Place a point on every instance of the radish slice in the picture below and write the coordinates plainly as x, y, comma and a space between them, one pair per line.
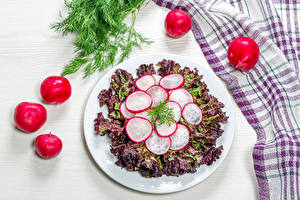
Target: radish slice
158, 94
143, 115
176, 109
138, 101
138, 129
181, 96
157, 78
192, 113
144, 82
180, 138
164, 130
158, 145
125, 112
172, 81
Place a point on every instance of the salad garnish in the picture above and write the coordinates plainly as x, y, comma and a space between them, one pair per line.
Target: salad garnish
162, 113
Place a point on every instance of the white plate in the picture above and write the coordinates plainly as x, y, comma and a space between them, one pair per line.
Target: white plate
99, 146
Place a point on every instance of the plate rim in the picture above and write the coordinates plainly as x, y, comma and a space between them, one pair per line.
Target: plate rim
166, 56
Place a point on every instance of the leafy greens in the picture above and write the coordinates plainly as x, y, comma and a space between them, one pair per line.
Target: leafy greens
102, 37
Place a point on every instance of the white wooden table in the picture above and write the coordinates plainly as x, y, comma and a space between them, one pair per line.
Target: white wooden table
29, 52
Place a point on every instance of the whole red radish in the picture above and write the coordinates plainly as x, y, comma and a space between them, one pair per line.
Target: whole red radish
47, 145
55, 90
29, 117
177, 23
243, 53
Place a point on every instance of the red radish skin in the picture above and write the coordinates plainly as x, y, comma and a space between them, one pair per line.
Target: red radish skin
243, 53
55, 90
181, 96
138, 101
193, 114
176, 136
29, 117
144, 82
47, 145
176, 109
158, 145
138, 127
160, 129
177, 23
124, 112
158, 94
172, 81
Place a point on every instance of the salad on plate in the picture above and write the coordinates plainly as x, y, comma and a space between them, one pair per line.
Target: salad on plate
162, 122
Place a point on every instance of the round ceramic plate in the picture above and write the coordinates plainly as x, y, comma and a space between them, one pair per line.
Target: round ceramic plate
100, 146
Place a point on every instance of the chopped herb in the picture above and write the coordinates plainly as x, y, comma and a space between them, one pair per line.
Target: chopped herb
163, 113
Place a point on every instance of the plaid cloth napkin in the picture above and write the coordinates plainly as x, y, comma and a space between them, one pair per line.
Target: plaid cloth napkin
269, 94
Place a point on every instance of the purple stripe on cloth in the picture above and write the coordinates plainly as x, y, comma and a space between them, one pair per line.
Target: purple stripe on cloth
291, 164
263, 185
276, 22
282, 144
297, 180
297, 30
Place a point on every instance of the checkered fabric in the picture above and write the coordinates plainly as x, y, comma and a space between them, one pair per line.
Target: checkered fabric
269, 94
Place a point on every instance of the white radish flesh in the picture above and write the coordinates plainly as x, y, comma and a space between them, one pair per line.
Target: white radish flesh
192, 113
165, 129
181, 96
157, 78
125, 112
158, 94
138, 101
144, 82
158, 145
138, 129
176, 110
180, 138
143, 114
172, 81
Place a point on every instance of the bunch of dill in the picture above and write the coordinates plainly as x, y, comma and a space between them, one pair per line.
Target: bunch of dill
102, 38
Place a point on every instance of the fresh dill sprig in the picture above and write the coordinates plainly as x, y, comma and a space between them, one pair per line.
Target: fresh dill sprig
102, 38
162, 113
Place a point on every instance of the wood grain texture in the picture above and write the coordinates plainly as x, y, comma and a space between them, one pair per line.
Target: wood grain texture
29, 52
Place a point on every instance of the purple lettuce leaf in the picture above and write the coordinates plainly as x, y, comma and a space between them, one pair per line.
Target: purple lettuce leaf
122, 83
145, 69
212, 155
167, 67
104, 126
113, 103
